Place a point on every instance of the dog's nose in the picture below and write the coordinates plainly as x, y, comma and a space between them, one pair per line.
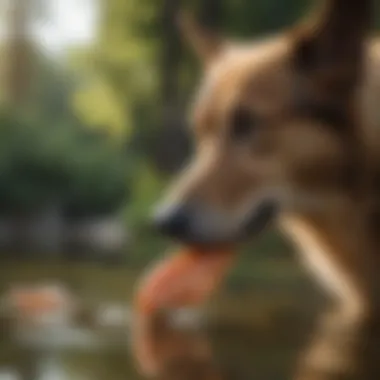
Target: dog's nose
173, 221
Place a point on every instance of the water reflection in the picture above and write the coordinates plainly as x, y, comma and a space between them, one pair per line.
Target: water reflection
255, 334
182, 351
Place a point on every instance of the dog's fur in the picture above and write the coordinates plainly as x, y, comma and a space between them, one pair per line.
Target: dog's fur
297, 117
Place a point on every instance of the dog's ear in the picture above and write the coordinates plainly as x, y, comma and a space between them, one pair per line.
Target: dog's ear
330, 48
206, 43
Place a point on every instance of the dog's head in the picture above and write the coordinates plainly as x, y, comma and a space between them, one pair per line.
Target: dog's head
274, 125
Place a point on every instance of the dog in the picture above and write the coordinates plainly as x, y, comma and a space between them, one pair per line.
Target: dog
287, 131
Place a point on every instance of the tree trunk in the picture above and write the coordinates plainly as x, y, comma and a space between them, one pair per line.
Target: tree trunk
169, 144
19, 64
172, 144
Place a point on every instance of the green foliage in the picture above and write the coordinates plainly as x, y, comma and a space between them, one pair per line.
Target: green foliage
98, 174
253, 18
145, 190
119, 72
40, 164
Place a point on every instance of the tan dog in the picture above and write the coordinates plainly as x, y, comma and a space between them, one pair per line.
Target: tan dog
287, 129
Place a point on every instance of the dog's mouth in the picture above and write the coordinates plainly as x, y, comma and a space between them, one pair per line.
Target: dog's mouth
210, 246
209, 230
260, 218
192, 275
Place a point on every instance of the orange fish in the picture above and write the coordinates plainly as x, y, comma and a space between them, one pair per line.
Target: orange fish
185, 279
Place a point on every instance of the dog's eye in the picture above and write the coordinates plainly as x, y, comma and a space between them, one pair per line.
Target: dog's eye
242, 123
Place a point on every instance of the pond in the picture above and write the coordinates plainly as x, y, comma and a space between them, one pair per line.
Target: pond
252, 331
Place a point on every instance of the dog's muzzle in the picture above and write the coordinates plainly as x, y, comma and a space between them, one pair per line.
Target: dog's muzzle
195, 224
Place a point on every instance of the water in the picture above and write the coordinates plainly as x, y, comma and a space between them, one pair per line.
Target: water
254, 333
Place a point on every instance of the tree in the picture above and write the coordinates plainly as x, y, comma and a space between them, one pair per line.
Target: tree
119, 73
18, 51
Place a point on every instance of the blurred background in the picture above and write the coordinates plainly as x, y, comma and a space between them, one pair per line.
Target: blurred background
93, 104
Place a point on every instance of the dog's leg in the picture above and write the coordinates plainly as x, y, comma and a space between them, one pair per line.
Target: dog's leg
347, 340
344, 348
